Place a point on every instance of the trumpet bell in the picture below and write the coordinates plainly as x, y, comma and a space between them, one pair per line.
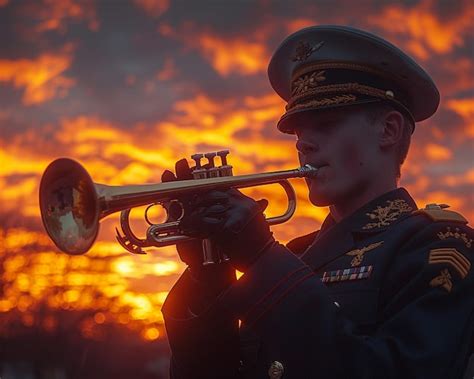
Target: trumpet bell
69, 206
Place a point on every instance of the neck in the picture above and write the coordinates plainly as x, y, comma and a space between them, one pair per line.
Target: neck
359, 198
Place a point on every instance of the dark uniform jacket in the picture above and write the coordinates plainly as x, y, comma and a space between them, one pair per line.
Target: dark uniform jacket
387, 292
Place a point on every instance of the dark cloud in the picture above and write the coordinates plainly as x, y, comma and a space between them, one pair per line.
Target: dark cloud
116, 65
449, 121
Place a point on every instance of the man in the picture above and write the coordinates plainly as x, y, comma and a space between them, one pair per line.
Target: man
383, 290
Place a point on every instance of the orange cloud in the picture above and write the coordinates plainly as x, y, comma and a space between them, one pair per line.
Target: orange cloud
55, 15
441, 197
465, 108
217, 125
426, 32
461, 179
237, 55
154, 8
3, 3
84, 129
42, 78
226, 55
437, 152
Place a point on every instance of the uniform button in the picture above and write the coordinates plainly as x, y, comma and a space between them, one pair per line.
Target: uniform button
337, 304
276, 370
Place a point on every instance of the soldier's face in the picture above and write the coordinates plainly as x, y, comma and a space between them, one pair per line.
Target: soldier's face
343, 144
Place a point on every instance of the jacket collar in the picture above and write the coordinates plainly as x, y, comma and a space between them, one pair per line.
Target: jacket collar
376, 216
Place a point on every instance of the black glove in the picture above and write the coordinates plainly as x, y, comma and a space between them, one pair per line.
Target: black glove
189, 252
214, 277
233, 221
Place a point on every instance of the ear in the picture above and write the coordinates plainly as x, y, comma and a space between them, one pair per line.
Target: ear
391, 129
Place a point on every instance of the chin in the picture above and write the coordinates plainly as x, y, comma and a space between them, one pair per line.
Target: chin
320, 198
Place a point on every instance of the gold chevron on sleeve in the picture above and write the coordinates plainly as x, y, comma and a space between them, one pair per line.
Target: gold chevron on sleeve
452, 257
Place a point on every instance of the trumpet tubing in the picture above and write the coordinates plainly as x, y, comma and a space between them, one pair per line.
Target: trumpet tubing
72, 205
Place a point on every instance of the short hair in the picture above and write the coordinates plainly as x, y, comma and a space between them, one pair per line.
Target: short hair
376, 111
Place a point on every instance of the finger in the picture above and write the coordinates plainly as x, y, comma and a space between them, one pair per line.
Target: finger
190, 223
168, 176
183, 172
234, 192
239, 196
207, 199
263, 204
216, 211
201, 224
211, 226
238, 218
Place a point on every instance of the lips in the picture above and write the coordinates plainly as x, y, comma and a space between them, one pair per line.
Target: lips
319, 165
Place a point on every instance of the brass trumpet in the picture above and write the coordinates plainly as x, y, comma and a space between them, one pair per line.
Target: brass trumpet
72, 204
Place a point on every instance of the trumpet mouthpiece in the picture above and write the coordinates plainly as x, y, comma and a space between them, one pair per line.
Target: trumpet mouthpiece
308, 171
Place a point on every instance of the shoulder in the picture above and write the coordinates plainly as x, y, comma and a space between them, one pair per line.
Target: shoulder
440, 247
435, 259
422, 222
436, 222
435, 227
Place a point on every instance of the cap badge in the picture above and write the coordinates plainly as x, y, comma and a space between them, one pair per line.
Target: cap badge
358, 254
276, 370
384, 216
304, 50
443, 280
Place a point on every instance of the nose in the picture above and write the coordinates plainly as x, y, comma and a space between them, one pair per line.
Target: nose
305, 148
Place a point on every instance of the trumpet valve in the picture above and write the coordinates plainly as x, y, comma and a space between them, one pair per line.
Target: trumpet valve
210, 157
198, 172
225, 169
212, 171
223, 155
197, 159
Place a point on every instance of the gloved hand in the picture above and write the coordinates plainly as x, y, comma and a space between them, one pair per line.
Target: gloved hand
190, 252
233, 221
216, 277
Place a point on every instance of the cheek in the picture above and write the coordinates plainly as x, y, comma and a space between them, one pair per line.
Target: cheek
352, 158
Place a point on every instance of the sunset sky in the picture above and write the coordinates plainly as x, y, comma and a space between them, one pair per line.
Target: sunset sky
128, 87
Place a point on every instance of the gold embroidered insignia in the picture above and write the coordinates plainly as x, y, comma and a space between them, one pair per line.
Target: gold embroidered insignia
452, 257
455, 234
307, 82
304, 50
443, 280
358, 254
384, 216
276, 370
324, 102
